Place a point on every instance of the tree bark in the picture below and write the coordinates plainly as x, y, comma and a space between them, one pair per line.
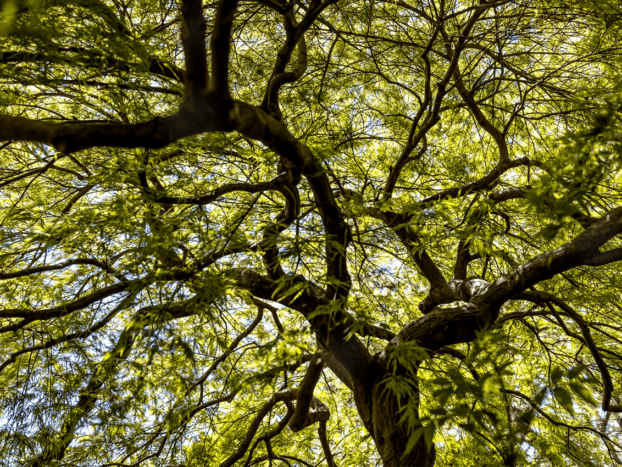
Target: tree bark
391, 437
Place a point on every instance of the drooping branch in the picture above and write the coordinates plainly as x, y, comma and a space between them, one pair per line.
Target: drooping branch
200, 406
538, 409
281, 396
73, 336
88, 58
160, 197
586, 338
228, 351
70, 307
460, 356
75, 198
481, 184
38, 170
90, 394
156, 133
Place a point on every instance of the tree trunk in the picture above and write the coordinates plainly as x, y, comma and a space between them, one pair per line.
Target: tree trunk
380, 411
391, 437
376, 404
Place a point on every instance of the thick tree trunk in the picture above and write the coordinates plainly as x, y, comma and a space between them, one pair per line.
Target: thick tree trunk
377, 406
380, 412
391, 437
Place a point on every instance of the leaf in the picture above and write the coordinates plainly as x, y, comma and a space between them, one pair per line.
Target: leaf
469, 427
186, 350
556, 375
412, 440
441, 381
563, 396
428, 433
574, 372
583, 392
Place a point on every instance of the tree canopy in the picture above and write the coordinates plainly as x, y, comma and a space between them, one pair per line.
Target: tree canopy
310, 232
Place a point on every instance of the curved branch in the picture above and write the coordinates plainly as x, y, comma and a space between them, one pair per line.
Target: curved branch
551, 419
269, 242
281, 396
588, 340
159, 197
302, 418
228, 351
272, 101
481, 184
88, 58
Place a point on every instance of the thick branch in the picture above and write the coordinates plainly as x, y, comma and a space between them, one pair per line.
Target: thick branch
577, 252
156, 133
193, 38
301, 418
221, 45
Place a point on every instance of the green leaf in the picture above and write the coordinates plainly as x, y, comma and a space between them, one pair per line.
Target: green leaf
412, 441
556, 375
575, 371
563, 396
428, 433
583, 392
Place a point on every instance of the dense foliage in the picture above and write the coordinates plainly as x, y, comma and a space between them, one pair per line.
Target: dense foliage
305, 232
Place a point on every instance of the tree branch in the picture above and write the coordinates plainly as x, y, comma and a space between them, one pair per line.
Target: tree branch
193, 39
301, 418
221, 44
577, 252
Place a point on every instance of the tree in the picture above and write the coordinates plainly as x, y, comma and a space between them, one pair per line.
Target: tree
340, 232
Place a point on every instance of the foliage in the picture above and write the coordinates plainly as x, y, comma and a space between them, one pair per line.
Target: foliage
413, 205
